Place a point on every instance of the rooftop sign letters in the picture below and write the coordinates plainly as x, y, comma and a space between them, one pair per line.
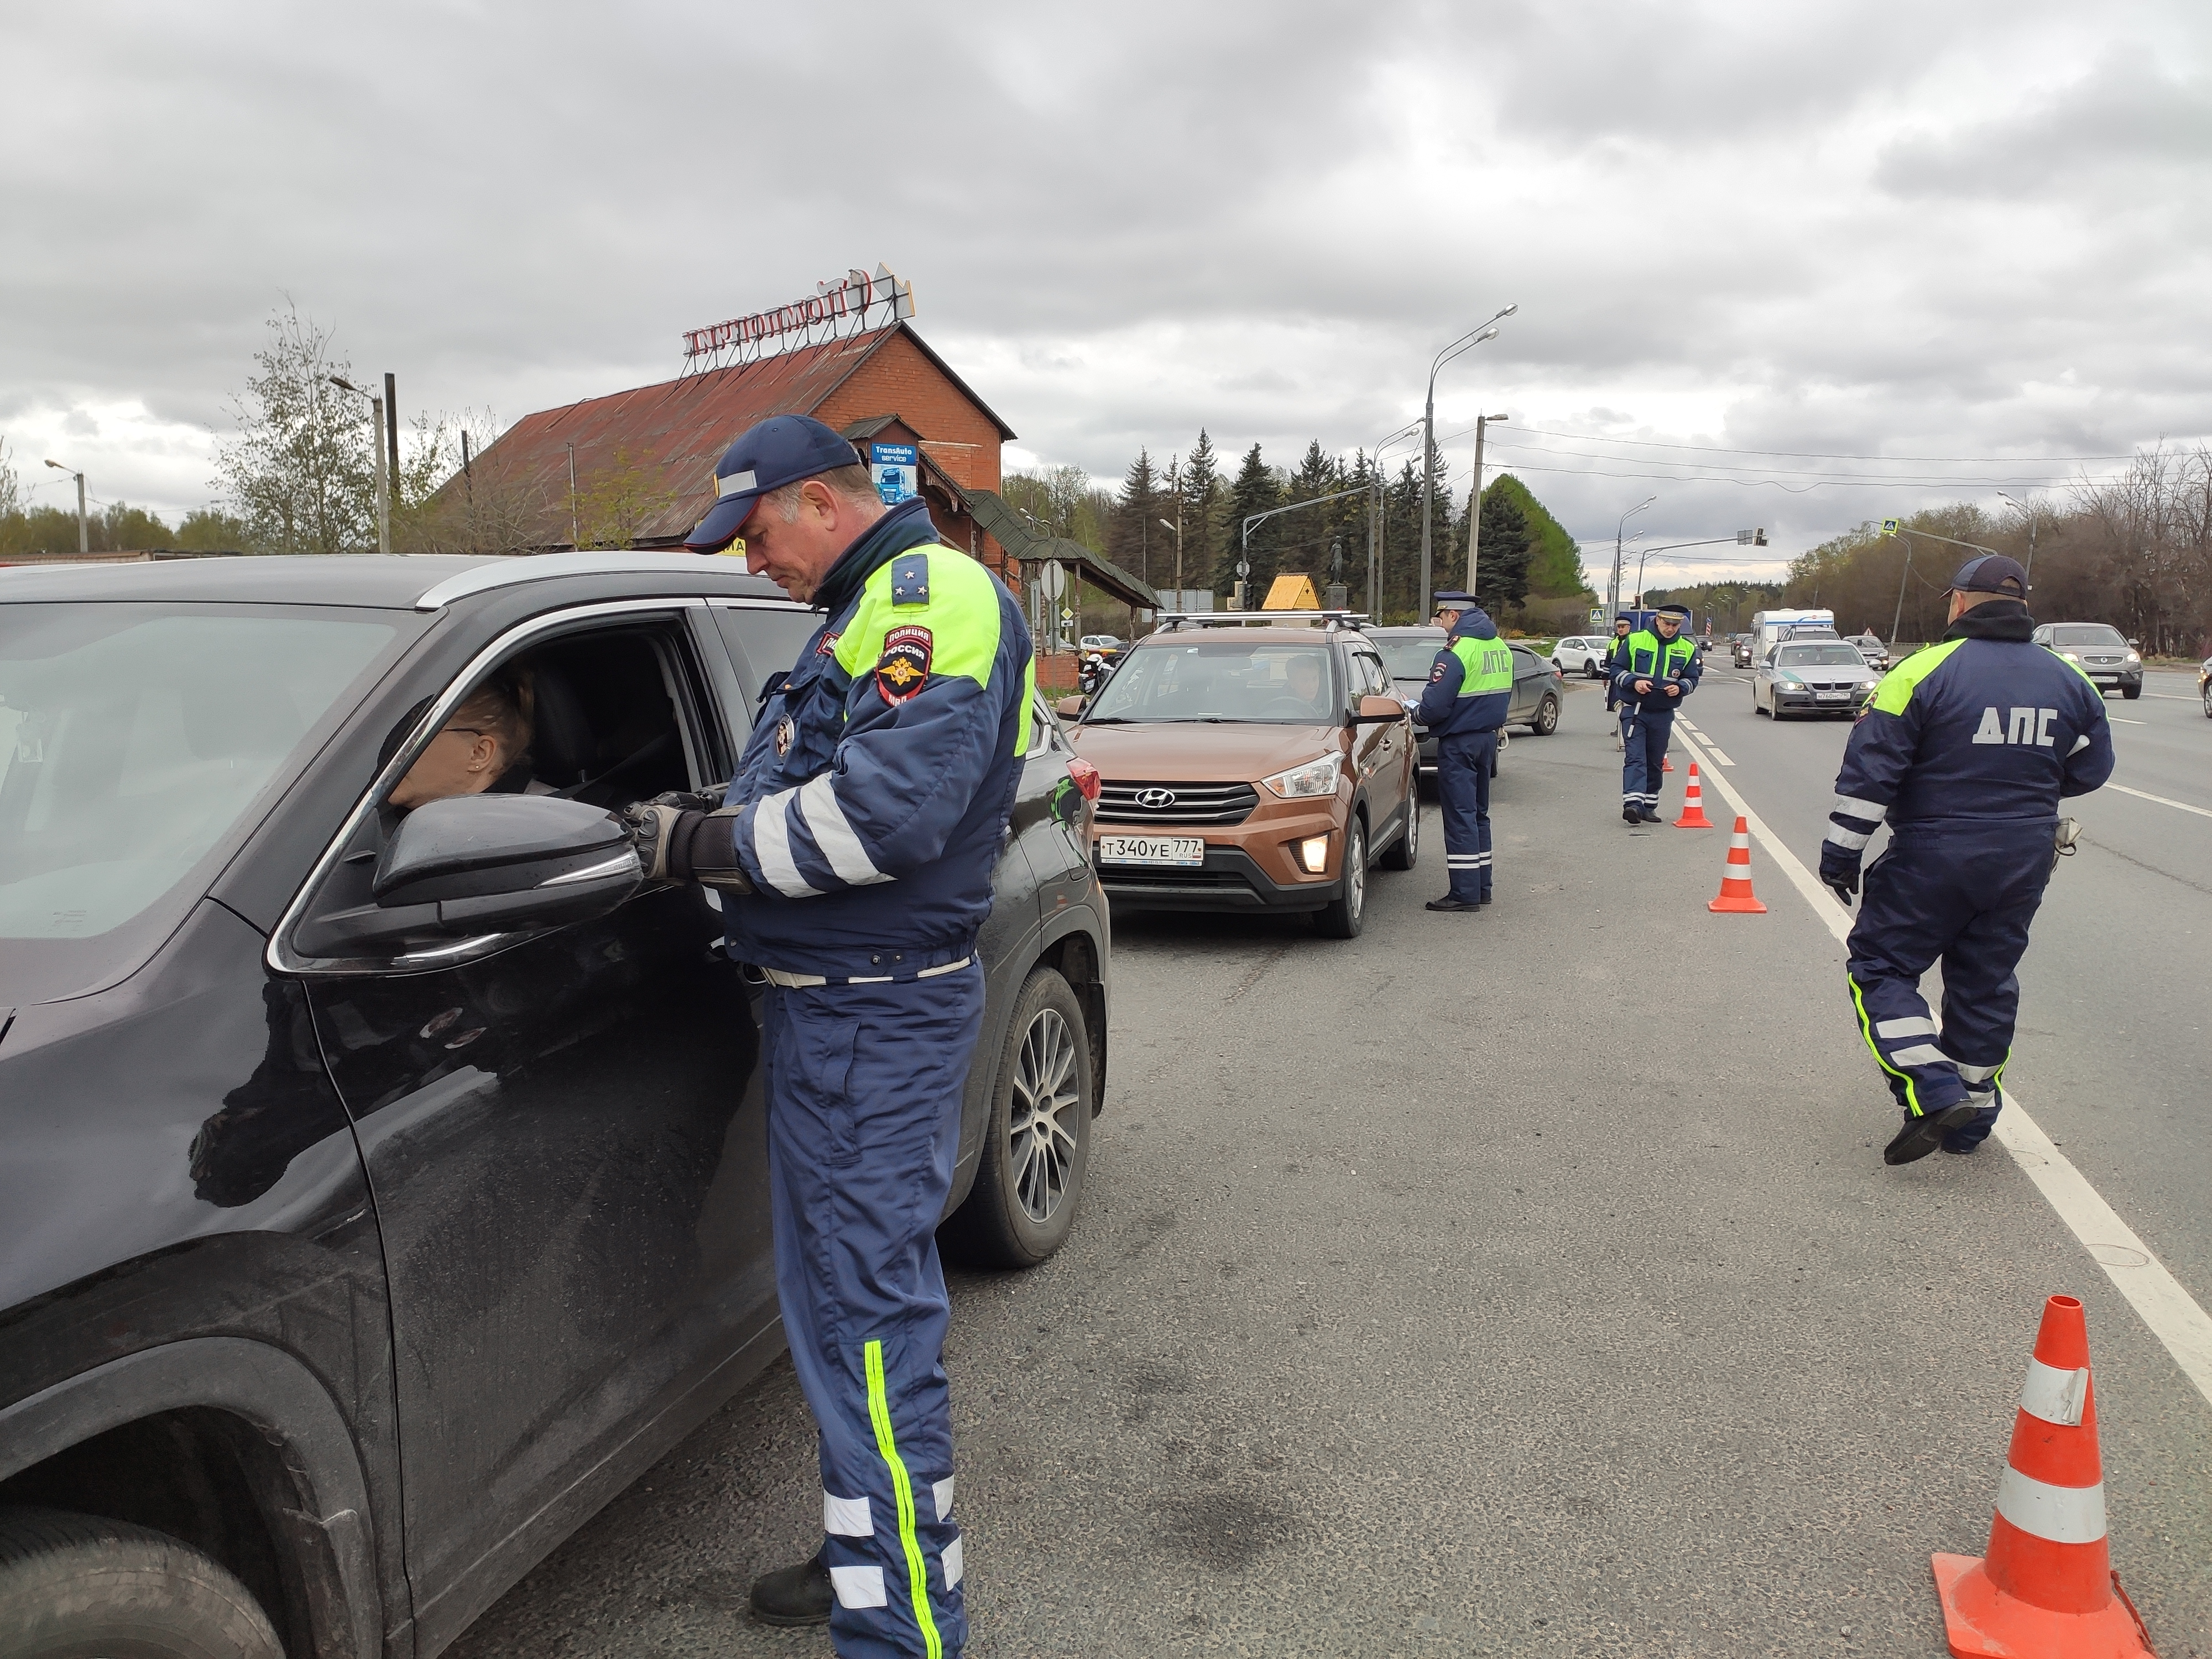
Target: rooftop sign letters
844, 307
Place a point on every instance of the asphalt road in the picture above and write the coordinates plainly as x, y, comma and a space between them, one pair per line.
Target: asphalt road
1527, 1283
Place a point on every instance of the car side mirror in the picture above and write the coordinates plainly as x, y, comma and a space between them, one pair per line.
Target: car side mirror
1374, 708
473, 864
1068, 708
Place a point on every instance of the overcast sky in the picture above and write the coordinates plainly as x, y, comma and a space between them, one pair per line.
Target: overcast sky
1890, 229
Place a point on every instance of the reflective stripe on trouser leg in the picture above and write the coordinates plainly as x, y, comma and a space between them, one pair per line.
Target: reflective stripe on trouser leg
1463, 786
865, 1085
1643, 759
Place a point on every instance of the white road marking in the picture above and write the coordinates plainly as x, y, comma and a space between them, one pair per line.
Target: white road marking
2155, 1295
2122, 719
2170, 696
2140, 795
1716, 754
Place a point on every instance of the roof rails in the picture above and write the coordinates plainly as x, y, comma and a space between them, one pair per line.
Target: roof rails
1169, 621
503, 572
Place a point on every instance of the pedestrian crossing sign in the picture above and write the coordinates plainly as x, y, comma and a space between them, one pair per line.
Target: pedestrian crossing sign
1889, 527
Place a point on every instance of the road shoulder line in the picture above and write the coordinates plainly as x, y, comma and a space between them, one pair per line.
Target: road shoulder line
2158, 1298
2141, 794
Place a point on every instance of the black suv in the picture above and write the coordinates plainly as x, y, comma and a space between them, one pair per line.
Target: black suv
381, 1194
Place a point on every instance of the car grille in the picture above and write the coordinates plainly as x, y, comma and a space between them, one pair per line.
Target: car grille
1126, 875
1192, 802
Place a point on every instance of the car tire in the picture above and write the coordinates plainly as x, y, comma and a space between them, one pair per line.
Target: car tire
1401, 853
1547, 717
1036, 1146
2131, 692
1755, 708
1591, 670
1346, 913
2205, 691
72, 1585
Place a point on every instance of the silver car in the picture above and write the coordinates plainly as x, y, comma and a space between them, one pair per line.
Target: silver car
1813, 676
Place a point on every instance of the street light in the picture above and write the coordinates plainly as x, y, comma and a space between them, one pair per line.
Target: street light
83, 535
1474, 501
1375, 519
1613, 591
1177, 528
2029, 515
376, 443
1485, 331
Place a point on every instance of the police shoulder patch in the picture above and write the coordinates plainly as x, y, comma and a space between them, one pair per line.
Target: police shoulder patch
910, 578
1438, 673
828, 647
903, 669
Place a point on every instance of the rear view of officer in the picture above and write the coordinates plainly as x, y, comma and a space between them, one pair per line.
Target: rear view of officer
1966, 749
1469, 690
855, 851
1654, 670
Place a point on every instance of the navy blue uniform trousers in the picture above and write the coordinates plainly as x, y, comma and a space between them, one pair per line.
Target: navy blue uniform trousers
865, 1085
1463, 768
1643, 760
1963, 895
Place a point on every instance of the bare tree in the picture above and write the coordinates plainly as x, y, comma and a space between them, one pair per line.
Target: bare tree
11, 486
301, 471
617, 502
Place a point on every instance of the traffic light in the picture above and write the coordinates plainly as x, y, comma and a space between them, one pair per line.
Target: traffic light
1750, 538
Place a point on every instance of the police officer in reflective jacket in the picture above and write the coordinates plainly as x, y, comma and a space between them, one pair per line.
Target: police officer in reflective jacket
1966, 749
855, 850
1470, 688
1654, 669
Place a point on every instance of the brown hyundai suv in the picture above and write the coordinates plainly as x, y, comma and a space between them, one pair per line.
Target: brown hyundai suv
1250, 761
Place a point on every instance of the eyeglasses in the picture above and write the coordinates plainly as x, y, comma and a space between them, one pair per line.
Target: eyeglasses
473, 731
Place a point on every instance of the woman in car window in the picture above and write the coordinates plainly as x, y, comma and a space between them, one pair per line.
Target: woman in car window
483, 748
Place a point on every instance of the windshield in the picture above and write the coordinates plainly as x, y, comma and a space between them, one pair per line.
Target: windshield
1221, 679
133, 736
2088, 633
1821, 656
1410, 660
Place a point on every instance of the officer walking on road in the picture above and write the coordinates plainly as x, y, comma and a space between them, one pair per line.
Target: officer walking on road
1621, 626
1966, 749
1469, 690
855, 849
1653, 672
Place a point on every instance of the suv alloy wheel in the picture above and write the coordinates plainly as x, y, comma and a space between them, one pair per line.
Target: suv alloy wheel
1346, 913
1036, 1145
1401, 853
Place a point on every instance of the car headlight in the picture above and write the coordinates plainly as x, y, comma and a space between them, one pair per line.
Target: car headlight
1315, 777
2069, 656
2135, 658
1790, 681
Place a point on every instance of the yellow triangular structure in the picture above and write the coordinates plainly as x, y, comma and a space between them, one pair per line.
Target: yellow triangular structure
1291, 593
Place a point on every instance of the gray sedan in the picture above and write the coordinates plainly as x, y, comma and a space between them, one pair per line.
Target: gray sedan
1825, 676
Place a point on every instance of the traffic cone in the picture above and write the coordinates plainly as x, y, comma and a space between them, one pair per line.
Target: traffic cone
1735, 897
1666, 762
1693, 805
2046, 1588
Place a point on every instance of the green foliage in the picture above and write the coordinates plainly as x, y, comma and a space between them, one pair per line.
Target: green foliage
211, 530
301, 469
615, 502
1134, 539
1064, 500
1555, 561
1503, 554
1256, 489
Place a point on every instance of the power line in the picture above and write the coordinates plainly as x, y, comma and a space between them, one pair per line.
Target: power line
1801, 454
1818, 473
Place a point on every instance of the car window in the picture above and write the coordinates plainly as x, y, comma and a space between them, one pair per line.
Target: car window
133, 737
1821, 656
1221, 679
2086, 634
1525, 663
765, 640
1374, 682
1411, 660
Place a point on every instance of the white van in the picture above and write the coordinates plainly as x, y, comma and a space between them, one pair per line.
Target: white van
1770, 627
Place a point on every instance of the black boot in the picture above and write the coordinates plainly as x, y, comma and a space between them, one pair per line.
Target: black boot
1448, 902
1648, 815
1921, 1135
1628, 813
794, 1596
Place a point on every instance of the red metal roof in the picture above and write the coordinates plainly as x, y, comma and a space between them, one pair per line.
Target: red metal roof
679, 429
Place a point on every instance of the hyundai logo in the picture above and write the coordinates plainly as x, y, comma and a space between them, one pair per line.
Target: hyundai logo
1156, 799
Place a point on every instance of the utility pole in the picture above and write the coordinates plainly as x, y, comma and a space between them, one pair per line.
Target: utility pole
1177, 528
376, 443
83, 527
1474, 501
573, 539
391, 437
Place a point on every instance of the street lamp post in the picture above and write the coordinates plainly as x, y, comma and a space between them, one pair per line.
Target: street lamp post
376, 441
1486, 331
83, 530
1375, 520
2030, 516
1176, 527
1613, 588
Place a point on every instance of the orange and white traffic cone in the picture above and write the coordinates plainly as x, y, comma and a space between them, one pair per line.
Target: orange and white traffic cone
1693, 805
1736, 897
1666, 762
2046, 1588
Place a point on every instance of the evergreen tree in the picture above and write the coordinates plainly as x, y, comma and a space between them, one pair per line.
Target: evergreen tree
1204, 503
1501, 569
1255, 489
1134, 528
1555, 563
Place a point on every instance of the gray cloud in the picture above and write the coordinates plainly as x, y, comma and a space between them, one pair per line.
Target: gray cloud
1975, 230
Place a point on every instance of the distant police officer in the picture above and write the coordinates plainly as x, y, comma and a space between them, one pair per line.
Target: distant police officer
1464, 703
1654, 670
855, 849
1966, 749
1621, 627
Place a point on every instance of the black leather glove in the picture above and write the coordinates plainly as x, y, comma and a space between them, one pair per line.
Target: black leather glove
682, 843
1839, 873
692, 800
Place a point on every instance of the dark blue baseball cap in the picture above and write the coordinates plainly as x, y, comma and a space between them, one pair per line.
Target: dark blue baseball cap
1991, 573
781, 449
